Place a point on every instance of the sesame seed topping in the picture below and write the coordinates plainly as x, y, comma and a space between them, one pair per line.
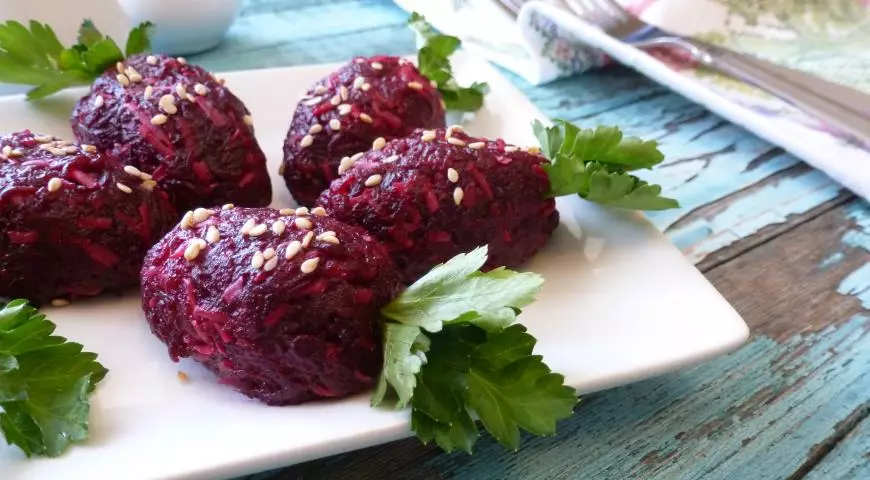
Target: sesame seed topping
391, 159
182, 377
145, 176
148, 185
257, 260
228, 206
302, 211
271, 264
335, 124
89, 148
57, 151
124, 188
123, 80
306, 142
342, 90
167, 104
320, 89
312, 102
59, 302
357, 156
443, 104
433, 83
278, 227
458, 193
366, 86
212, 235
455, 141
533, 150
359, 60
365, 117
268, 253
379, 143
200, 89
192, 251
308, 238
131, 170
249, 120
248, 225
55, 184
287, 211
159, 119
151, 60
181, 60
310, 265
119, 66
315, 129
452, 175
345, 165
43, 138
149, 90
328, 233
335, 100
186, 221
134, 75
69, 150
511, 149
318, 211
99, 101
258, 230
293, 248
202, 214
415, 85
332, 240
374, 180
191, 98
344, 109
477, 145
428, 136
281, 169
303, 223
377, 65
180, 90
6, 151
358, 81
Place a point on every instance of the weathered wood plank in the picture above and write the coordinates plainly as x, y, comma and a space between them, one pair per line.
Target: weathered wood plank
848, 460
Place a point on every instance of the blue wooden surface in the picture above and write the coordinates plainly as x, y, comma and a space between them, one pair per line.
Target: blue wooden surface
787, 246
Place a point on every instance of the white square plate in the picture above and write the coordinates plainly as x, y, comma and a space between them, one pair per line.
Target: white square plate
620, 304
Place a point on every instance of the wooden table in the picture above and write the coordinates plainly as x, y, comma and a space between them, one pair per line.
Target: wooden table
786, 245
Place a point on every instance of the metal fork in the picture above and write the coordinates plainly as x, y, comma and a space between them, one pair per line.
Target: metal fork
841, 108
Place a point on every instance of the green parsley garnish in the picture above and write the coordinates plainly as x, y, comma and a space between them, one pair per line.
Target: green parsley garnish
36, 57
595, 164
433, 61
452, 352
45, 382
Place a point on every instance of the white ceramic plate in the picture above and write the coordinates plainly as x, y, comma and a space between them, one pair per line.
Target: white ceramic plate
620, 304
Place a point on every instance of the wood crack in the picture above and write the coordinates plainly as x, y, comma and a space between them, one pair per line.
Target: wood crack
819, 451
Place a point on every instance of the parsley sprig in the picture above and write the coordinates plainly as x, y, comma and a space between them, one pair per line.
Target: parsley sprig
433, 61
35, 56
595, 164
453, 352
45, 382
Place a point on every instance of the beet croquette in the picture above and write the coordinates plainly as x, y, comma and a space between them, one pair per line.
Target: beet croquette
436, 194
178, 123
283, 307
73, 223
342, 114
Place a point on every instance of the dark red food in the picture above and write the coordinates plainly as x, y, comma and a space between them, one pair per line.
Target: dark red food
370, 97
204, 154
73, 223
428, 199
264, 325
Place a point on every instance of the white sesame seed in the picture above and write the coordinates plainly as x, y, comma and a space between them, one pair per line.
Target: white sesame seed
301, 211
344, 93
365, 117
335, 124
306, 142
191, 98
379, 143
428, 136
99, 101
212, 235
15, 153
293, 248
148, 185
328, 233
257, 260
70, 150
415, 85
458, 193
320, 89
131, 170
278, 227
477, 145
452, 175
200, 89
268, 253
303, 223
533, 150
310, 265
312, 102
443, 104
366, 86
281, 169
186, 221
135, 78
57, 151
151, 59
455, 141
357, 156
192, 251
390, 159
308, 238
318, 211
43, 138
124, 188
149, 90
315, 129
359, 60
202, 244
159, 119
89, 148
119, 66
258, 230
123, 80
59, 302
202, 214
167, 104
55, 184
247, 226
335, 100
433, 83
374, 180
249, 120
228, 206
181, 60
331, 239
181, 90
133, 73
6, 150
270, 264
344, 109
287, 211
511, 149
144, 176
456, 128
345, 165
358, 81
377, 65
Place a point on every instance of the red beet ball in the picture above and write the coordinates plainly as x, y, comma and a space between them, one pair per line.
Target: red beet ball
73, 223
178, 123
428, 198
221, 289
343, 113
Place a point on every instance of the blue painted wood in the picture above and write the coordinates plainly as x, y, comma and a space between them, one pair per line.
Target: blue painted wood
849, 460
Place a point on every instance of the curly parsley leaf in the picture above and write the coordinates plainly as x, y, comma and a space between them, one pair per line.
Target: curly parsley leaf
452, 352
45, 382
35, 56
433, 61
594, 165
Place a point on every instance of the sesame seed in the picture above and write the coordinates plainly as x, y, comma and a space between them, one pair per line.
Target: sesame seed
55, 184
374, 180
452, 175
320, 89
278, 227
455, 141
306, 142
124, 188
89, 148
344, 109
149, 90
310, 265
181, 90
43, 138
318, 211
268, 253
365, 117
366, 86
257, 260
186, 221
145, 176
428, 136
57, 151
345, 165
228, 206
443, 104
359, 60
477, 145
131, 170
358, 81
335, 100
281, 169
315, 129
308, 238
314, 101
159, 119
511, 149
120, 67
377, 65
415, 85
167, 104
70, 150
357, 156
133, 74
301, 211
247, 226
249, 120
200, 89
335, 124
331, 239
293, 248
182, 377
59, 302
181, 60
433, 83
258, 230
458, 193
270, 264
6, 151
391, 159
99, 101
190, 98
123, 80
328, 233
15, 153
533, 150
212, 235
151, 59
202, 214
379, 143
148, 185
344, 93
287, 211
303, 223
191, 252
456, 128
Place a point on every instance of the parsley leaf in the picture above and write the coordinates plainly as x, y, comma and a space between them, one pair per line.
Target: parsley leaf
45, 382
36, 57
433, 62
594, 165
453, 352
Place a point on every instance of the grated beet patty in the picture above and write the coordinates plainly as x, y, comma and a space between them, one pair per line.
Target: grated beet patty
281, 330
73, 223
343, 113
204, 153
428, 199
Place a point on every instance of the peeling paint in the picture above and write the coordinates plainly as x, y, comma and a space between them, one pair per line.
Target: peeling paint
857, 283
832, 260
